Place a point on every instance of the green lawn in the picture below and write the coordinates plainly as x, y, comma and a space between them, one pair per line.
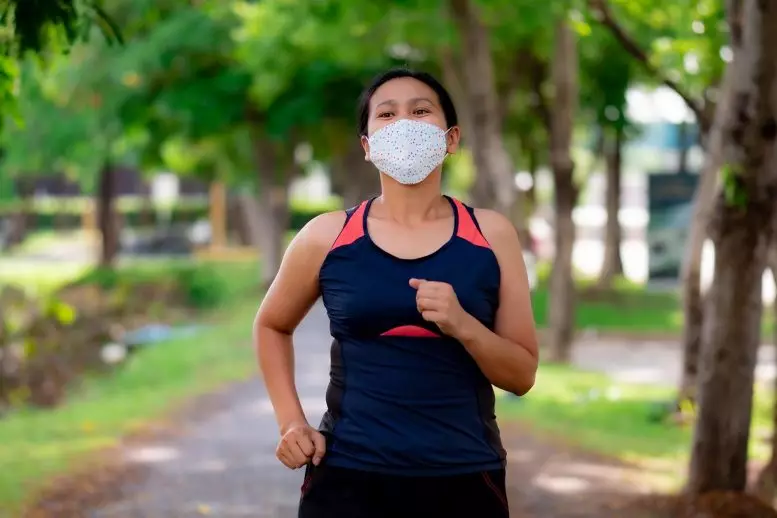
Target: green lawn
623, 309
627, 308
622, 420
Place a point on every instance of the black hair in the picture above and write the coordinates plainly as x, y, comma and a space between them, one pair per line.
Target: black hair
446, 103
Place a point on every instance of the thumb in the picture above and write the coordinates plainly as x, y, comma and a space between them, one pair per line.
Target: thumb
319, 441
416, 283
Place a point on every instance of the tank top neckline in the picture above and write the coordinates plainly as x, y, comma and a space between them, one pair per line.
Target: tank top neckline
412, 259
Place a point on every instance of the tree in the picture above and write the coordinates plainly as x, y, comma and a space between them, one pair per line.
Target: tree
742, 225
691, 268
693, 34
608, 73
565, 101
479, 88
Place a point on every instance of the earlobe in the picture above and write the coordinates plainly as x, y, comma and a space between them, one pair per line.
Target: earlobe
453, 140
366, 147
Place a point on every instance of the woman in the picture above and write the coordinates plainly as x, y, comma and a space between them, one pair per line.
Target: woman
429, 307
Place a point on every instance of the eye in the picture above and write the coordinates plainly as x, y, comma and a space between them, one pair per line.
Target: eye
422, 111
383, 115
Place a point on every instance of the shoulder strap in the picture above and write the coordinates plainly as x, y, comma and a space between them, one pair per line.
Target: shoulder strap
468, 227
353, 227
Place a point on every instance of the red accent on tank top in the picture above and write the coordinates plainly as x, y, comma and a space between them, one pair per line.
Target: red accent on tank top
353, 228
412, 331
468, 230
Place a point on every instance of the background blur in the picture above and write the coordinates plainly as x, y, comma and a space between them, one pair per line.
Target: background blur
156, 156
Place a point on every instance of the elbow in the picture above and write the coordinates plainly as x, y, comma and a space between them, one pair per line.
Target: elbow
522, 379
523, 386
267, 336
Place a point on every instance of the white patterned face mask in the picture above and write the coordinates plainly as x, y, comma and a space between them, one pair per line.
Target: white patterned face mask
407, 150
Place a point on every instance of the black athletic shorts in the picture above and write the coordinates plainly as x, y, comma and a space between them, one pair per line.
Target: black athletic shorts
331, 492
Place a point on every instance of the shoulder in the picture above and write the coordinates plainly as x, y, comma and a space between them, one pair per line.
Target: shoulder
496, 228
320, 233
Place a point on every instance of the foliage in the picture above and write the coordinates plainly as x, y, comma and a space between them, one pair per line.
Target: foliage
30, 25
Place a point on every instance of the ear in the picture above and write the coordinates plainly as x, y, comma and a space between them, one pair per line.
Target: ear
366, 147
453, 137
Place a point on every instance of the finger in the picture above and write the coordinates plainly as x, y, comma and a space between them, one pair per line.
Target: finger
320, 443
432, 289
432, 316
417, 283
428, 303
286, 459
297, 454
305, 444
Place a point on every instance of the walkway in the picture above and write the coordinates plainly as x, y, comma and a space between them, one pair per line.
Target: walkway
225, 465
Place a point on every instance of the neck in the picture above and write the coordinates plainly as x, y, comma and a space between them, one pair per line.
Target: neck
410, 203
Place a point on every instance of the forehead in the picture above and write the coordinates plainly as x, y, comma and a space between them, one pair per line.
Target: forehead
403, 89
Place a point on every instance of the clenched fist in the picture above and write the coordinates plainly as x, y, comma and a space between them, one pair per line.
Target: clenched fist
299, 445
437, 302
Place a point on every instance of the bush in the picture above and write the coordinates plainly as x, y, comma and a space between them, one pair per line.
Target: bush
46, 343
67, 213
203, 287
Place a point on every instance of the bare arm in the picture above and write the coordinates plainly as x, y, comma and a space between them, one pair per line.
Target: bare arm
290, 297
508, 356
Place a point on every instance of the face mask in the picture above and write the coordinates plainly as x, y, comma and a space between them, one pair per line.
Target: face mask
408, 151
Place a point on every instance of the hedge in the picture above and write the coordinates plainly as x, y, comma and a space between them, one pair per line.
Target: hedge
66, 213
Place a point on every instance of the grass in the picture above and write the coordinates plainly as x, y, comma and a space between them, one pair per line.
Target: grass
627, 307
623, 309
621, 420
36, 445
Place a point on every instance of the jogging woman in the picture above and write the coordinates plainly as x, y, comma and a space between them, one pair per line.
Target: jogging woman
429, 307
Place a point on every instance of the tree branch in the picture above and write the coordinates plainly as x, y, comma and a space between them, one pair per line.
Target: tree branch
604, 15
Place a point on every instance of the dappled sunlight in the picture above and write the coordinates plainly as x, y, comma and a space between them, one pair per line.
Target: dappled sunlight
561, 485
640, 375
262, 407
152, 454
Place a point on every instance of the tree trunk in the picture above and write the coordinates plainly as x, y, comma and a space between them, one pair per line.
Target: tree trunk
353, 178
488, 149
533, 165
612, 265
482, 192
682, 158
107, 219
562, 288
273, 205
22, 220
704, 198
741, 230
765, 486
731, 335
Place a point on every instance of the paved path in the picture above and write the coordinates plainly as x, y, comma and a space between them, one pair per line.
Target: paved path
225, 465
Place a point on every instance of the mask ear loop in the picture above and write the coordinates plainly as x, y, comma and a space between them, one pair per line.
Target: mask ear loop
446, 144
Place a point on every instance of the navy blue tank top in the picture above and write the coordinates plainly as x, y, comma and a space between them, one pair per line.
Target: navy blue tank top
404, 398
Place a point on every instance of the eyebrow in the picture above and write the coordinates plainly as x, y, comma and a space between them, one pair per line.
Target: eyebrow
412, 101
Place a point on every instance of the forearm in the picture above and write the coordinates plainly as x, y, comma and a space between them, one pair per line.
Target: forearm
276, 361
508, 365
